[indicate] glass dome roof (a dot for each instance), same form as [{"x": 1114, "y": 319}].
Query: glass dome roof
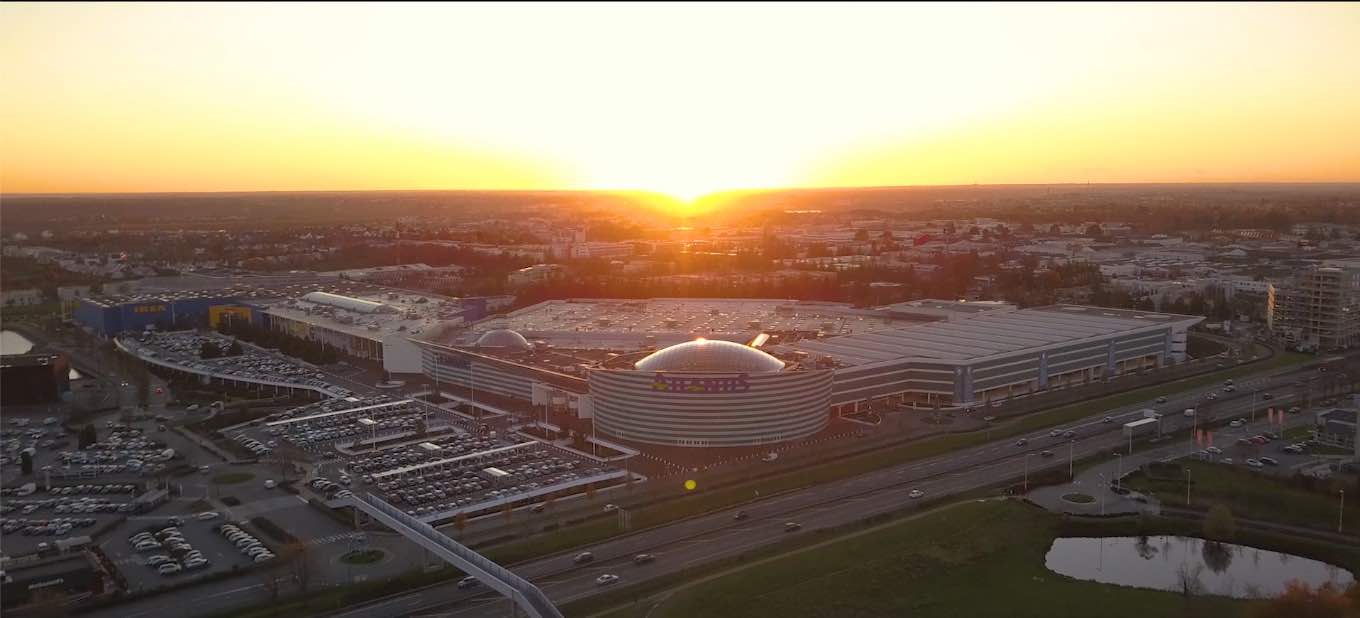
[
  {"x": 704, "y": 355},
  {"x": 503, "y": 338}
]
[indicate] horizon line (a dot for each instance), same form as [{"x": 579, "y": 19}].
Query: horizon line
[{"x": 722, "y": 192}]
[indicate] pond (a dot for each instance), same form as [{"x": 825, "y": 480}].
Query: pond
[
  {"x": 1170, "y": 562},
  {"x": 15, "y": 343}
]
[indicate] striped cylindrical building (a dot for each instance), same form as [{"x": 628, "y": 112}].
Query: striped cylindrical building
[{"x": 710, "y": 393}]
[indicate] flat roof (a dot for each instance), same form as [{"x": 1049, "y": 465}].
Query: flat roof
[
  {"x": 986, "y": 334},
  {"x": 627, "y": 324}
]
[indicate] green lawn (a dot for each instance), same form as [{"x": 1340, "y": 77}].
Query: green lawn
[
  {"x": 366, "y": 556},
  {"x": 1248, "y": 494},
  {"x": 232, "y": 478},
  {"x": 972, "y": 560}
]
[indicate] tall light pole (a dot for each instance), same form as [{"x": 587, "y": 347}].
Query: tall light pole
[
  {"x": 1071, "y": 445},
  {"x": 1187, "y": 487},
  {"x": 1102, "y": 494},
  {"x": 1341, "y": 511},
  {"x": 1253, "y": 405},
  {"x": 1027, "y": 456},
  {"x": 1120, "y": 459}
]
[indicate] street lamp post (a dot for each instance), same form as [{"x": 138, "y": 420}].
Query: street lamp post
[
  {"x": 1341, "y": 511},
  {"x": 1253, "y": 406},
  {"x": 1071, "y": 445},
  {"x": 1187, "y": 487},
  {"x": 1027, "y": 456},
  {"x": 1120, "y": 461},
  {"x": 1102, "y": 493}
]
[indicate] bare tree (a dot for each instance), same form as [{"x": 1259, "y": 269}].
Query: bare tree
[
  {"x": 271, "y": 585},
  {"x": 1188, "y": 581},
  {"x": 301, "y": 563}
]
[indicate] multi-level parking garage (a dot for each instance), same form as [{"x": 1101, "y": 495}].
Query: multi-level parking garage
[
  {"x": 180, "y": 351},
  {"x": 800, "y": 360},
  {"x": 423, "y": 459}
]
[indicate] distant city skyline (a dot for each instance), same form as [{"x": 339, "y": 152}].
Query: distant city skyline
[{"x": 678, "y": 99}]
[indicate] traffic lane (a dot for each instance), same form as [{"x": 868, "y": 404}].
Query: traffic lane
[
  {"x": 892, "y": 476},
  {"x": 581, "y": 582}
]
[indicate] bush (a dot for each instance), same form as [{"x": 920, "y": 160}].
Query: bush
[{"x": 273, "y": 530}]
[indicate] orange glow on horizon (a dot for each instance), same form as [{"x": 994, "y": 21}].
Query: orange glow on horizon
[{"x": 680, "y": 101}]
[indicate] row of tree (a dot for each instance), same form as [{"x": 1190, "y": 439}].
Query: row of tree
[{"x": 313, "y": 352}]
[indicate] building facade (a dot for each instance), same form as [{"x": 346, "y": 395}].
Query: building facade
[{"x": 1321, "y": 310}]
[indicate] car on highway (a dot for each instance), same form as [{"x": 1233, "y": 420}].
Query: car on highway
[
  {"x": 468, "y": 582},
  {"x": 583, "y": 557},
  {"x": 1267, "y": 396},
  {"x": 1161, "y": 400},
  {"x": 740, "y": 515},
  {"x": 610, "y": 508},
  {"x": 1069, "y": 434},
  {"x": 538, "y": 508},
  {"x": 1056, "y": 433},
  {"x": 606, "y": 579},
  {"x": 1021, "y": 442},
  {"x": 1108, "y": 419},
  {"x": 1046, "y": 454},
  {"x": 1235, "y": 423},
  {"x": 792, "y": 526},
  {"x": 916, "y": 493},
  {"x": 643, "y": 558},
  {"x": 1211, "y": 396}
]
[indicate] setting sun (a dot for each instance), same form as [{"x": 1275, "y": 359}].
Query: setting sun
[{"x": 677, "y": 99}]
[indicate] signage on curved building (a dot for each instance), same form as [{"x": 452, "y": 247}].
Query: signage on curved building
[{"x": 701, "y": 384}]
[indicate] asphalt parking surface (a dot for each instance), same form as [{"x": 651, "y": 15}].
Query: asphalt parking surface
[{"x": 221, "y": 554}]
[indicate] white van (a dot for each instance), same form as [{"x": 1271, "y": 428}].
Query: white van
[
  {"x": 270, "y": 484},
  {"x": 1189, "y": 413}
]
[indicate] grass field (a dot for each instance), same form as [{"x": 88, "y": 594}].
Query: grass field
[
  {"x": 1248, "y": 494},
  {"x": 366, "y": 556},
  {"x": 232, "y": 478},
  {"x": 975, "y": 559}
]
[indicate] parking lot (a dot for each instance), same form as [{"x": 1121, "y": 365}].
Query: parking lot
[
  {"x": 318, "y": 427},
  {"x": 177, "y": 544},
  {"x": 183, "y": 349},
  {"x": 1265, "y": 451}
]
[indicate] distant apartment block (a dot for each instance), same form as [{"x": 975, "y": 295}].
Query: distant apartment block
[
  {"x": 1321, "y": 309},
  {"x": 533, "y": 275}
]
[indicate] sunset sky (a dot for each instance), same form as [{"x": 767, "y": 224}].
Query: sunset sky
[{"x": 681, "y": 99}]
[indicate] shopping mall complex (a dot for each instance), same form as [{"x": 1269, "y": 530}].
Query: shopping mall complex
[{"x": 743, "y": 372}]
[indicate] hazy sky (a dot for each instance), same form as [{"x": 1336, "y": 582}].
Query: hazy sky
[{"x": 682, "y": 99}]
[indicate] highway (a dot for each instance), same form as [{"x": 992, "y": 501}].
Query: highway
[{"x": 716, "y": 535}]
